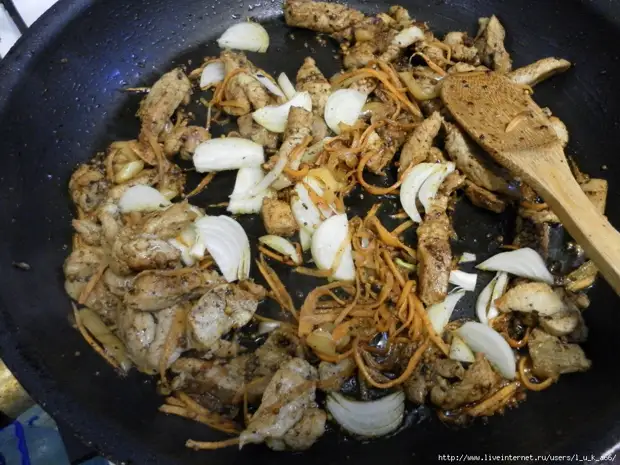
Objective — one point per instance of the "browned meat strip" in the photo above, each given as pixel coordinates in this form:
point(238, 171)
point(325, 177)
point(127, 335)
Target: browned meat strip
point(243, 88)
point(88, 187)
point(551, 357)
point(531, 297)
point(278, 217)
point(170, 91)
point(490, 44)
point(478, 382)
point(462, 46)
point(169, 223)
point(324, 17)
point(434, 253)
point(184, 140)
point(384, 142)
point(311, 79)
point(137, 252)
point(249, 129)
point(483, 198)
point(419, 143)
point(538, 71)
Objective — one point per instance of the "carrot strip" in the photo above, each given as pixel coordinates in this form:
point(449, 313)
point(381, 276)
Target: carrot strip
point(202, 186)
point(496, 401)
point(92, 282)
point(525, 379)
point(197, 445)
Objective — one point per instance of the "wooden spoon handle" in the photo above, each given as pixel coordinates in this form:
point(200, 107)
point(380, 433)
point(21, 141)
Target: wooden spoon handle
point(600, 240)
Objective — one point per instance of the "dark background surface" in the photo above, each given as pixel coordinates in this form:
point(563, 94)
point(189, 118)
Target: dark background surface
point(60, 102)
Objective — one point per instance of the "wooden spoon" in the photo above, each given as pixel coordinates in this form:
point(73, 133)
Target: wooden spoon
point(508, 124)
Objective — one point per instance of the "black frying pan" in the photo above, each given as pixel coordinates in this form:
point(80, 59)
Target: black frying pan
point(60, 103)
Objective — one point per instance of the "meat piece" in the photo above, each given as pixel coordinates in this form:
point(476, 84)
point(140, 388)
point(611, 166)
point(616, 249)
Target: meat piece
point(560, 130)
point(165, 96)
point(448, 368)
point(138, 252)
point(435, 155)
point(333, 375)
point(249, 129)
point(278, 217)
point(324, 17)
point(434, 253)
point(483, 198)
point(311, 79)
point(490, 45)
point(88, 187)
point(145, 336)
point(89, 231)
point(281, 346)
point(471, 161)
point(384, 142)
point(364, 85)
point(478, 382)
point(83, 263)
point(538, 216)
point(416, 387)
point(539, 71)
point(419, 143)
point(118, 285)
point(581, 278)
point(551, 357)
point(243, 88)
point(453, 181)
point(561, 324)
point(168, 223)
point(184, 140)
point(398, 46)
point(596, 190)
point(218, 311)
point(531, 297)
point(462, 47)
point(256, 290)
point(154, 290)
point(298, 127)
point(319, 129)
point(291, 389)
point(305, 433)
point(360, 55)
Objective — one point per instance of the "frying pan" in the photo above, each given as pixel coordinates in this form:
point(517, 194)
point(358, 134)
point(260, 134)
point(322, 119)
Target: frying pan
point(60, 102)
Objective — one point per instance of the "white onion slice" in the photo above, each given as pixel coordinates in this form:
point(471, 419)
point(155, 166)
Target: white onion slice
point(269, 85)
point(245, 36)
point(274, 118)
point(247, 178)
point(465, 280)
point(460, 351)
point(343, 106)
point(429, 189)
point(526, 263)
point(185, 243)
point(268, 180)
point(326, 242)
point(228, 153)
point(467, 257)
point(483, 301)
point(142, 198)
point(282, 245)
point(227, 243)
point(411, 187)
point(439, 314)
point(286, 85)
point(305, 238)
point(265, 327)
point(408, 36)
point(368, 419)
point(498, 290)
point(213, 73)
point(485, 340)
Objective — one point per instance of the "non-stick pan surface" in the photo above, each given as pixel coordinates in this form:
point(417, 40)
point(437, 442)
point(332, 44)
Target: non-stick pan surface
point(60, 102)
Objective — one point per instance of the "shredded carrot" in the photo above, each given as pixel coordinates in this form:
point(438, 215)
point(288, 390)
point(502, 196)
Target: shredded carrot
point(496, 401)
point(402, 228)
point(333, 358)
point(432, 334)
point(223, 424)
point(92, 282)
point(297, 174)
point(221, 88)
point(275, 256)
point(411, 366)
point(353, 303)
point(198, 445)
point(202, 186)
point(307, 315)
point(388, 238)
point(314, 273)
point(431, 64)
point(534, 206)
point(174, 401)
point(191, 415)
point(525, 378)
point(392, 266)
point(376, 190)
point(517, 344)
point(91, 341)
point(276, 285)
point(444, 47)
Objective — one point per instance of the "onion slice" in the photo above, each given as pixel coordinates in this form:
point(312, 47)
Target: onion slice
point(460, 351)
point(498, 290)
point(440, 313)
point(286, 85)
point(213, 73)
point(228, 153)
point(411, 187)
point(245, 36)
point(467, 257)
point(368, 419)
point(305, 238)
point(429, 189)
point(526, 263)
point(464, 280)
point(142, 198)
point(227, 243)
point(485, 305)
point(247, 178)
point(343, 106)
point(269, 85)
point(274, 118)
point(485, 340)
point(282, 245)
point(408, 36)
point(327, 242)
